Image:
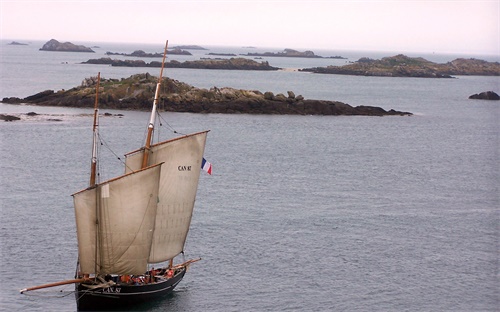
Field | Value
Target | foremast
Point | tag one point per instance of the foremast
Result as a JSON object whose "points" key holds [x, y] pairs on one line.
{"points": [[92, 183], [93, 165]]}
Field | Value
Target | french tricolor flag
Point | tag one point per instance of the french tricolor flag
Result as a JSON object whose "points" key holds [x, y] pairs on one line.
{"points": [[205, 165]]}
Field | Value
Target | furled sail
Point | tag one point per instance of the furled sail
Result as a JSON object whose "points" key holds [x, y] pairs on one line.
{"points": [[117, 217], [178, 185]]}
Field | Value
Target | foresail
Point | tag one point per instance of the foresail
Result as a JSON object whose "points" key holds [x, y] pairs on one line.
{"points": [[179, 182], [124, 210]]}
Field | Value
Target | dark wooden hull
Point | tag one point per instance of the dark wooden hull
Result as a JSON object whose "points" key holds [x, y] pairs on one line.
{"points": [[124, 296]]}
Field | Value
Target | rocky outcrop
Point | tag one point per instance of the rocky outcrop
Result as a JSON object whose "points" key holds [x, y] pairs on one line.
{"points": [[12, 100], [470, 67], [488, 95], [233, 63], [54, 45], [221, 54], [238, 63], [17, 43], [190, 47], [5, 117], [35, 117], [404, 66], [137, 92], [291, 53], [141, 53]]}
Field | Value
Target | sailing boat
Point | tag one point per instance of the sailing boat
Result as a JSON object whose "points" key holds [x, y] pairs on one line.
{"points": [[130, 228]]}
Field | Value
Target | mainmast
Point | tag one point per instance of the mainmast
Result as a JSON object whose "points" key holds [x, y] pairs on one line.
{"points": [[93, 166], [151, 125]]}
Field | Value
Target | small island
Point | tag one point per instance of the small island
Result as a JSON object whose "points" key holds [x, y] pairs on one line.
{"points": [[190, 47], [404, 66], [137, 93], [141, 53], [232, 64], [16, 43], [291, 53], [54, 45], [221, 54]]}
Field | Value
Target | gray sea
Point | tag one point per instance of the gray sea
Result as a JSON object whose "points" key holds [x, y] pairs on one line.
{"points": [[302, 213]]}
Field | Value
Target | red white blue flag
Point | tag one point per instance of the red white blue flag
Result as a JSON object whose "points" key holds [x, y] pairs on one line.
{"points": [[205, 165]]}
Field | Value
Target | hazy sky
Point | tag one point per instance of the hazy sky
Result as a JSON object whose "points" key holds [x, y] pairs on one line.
{"points": [[451, 26]]}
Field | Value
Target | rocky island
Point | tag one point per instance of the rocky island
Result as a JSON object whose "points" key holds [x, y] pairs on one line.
{"points": [[141, 53], [17, 43], [291, 53], [137, 92], [404, 66], [232, 63], [221, 54], [190, 47], [54, 45]]}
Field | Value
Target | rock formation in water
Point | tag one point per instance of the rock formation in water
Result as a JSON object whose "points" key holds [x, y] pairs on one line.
{"points": [[404, 66], [190, 47], [6, 117], [54, 45], [141, 53], [488, 95], [291, 53], [137, 92], [17, 43], [232, 63]]}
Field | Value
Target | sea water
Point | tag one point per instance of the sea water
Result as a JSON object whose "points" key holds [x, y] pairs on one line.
{"points": [[302, 213]]}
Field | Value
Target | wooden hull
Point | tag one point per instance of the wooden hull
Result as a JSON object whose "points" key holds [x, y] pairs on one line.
{"points": [[120, 296]]}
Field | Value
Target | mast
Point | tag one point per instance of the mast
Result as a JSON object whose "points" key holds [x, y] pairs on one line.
{"points": [[93, 166], [149, 138]]}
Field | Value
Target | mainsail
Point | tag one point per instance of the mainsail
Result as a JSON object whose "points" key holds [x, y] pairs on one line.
{"points": [[115, 222], [177, 192]]}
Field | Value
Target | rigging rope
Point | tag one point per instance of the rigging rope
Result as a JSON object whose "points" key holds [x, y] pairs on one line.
{"points": [[160, 120], [162, 104], [103, 143], [160, 117]]}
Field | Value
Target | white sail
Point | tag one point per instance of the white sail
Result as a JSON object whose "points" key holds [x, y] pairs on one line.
{"points": [[178, 185], [115, 223]]}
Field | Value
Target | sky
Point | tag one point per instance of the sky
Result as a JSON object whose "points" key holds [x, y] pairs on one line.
{"points": [[427, 26]]}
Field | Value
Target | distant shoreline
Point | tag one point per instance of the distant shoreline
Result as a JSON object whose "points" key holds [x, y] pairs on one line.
{"points": [[395, 66], [450, 55]]}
